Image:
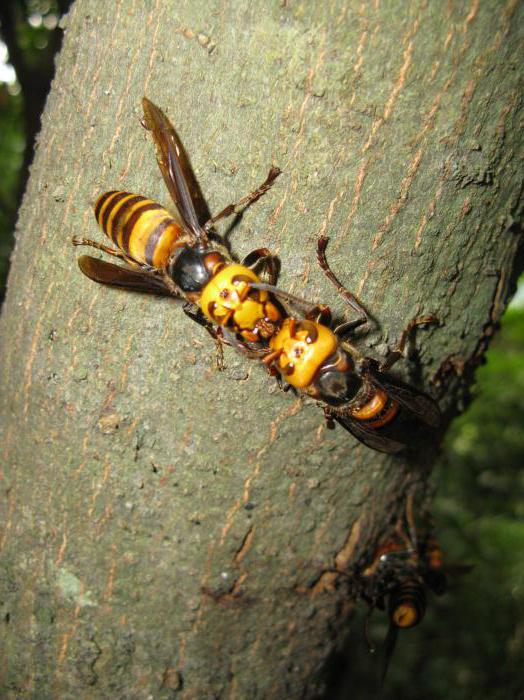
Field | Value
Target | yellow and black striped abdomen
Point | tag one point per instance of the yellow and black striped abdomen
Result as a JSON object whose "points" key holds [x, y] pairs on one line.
{"points": [[141, 228]]}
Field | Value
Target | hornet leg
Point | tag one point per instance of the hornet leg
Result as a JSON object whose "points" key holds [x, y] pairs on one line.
{"points": [[213, 332], [348, 297], [395, 354], [245, 201], [78, 240], [267, 261]]}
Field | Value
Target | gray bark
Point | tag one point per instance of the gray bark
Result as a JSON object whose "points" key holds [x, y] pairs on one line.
{"points": [[166, 526]]}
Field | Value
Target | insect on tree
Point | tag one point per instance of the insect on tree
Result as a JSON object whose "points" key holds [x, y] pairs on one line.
{"points": [[174, 254]]}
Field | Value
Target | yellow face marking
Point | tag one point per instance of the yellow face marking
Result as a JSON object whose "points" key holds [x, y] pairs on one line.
{"points": [[227, 296], [305, 346]]}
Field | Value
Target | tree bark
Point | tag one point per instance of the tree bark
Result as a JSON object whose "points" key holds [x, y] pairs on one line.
{"points": [[167, 526]]}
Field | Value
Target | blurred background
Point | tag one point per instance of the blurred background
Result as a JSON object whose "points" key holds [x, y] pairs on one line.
{"points": [[471, 643]]}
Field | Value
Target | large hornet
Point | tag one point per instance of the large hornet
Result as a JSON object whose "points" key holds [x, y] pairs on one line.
{"points": [[353, 390], [172, 253]]}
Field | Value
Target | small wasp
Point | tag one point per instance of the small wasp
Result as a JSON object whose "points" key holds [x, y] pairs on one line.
{"points": [[403, 569], [171, 253]]}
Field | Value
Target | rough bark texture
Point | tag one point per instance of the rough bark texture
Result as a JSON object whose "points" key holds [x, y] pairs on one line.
{"points": [[166, 525]]}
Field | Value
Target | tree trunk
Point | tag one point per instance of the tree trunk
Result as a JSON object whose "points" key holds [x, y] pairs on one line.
{"points": [[166, 525]]}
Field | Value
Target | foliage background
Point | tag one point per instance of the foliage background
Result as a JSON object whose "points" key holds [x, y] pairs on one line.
{"points": [[471, 643]]}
